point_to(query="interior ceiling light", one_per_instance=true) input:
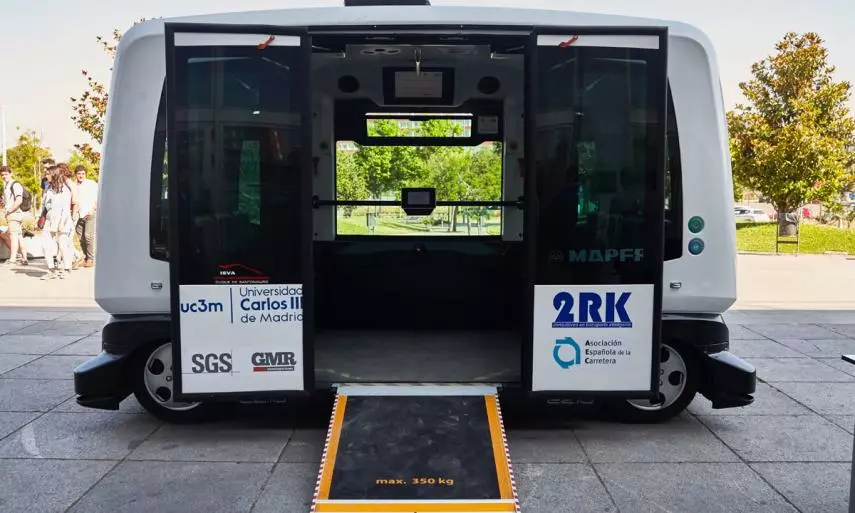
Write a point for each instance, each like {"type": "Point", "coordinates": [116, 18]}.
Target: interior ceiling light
{"type": "Point", "coordinates": [380, 50]}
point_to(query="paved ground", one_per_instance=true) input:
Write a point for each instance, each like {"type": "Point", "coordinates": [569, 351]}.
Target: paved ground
{"type": "Point", "coordinates": [790, 451]}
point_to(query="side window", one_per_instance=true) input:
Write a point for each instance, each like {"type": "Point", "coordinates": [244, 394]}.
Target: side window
{"type": "Point", "coordinates": [159, 202]}
{"type": "Point", "coordinates": [673, 188]}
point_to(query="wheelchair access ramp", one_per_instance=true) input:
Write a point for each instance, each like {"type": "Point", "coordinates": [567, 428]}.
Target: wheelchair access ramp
{"type": "Point", "coordinates": [415, 449]}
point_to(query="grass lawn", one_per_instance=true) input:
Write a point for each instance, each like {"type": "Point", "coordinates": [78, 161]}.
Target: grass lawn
{"type": "Point", "coordinates": [390, 226]}
{"type": "Point", "coordinates": [814, 239]}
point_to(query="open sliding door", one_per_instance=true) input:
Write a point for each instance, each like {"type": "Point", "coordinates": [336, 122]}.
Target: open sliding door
{"type": "Point", "coordinates": [239, 132]}
{"type": "Point", "coordinates": [594, 215]}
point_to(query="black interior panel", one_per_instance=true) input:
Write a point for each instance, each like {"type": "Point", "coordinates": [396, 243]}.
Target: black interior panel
{"type": "Point", "coordinates": [387, 284]}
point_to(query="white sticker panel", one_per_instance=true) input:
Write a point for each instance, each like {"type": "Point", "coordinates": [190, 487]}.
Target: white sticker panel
{"type": "Point", "coordinates": [241, 338]}
{"type": "Point", "coordinates": [603, 41]}
{"type": "Point", "coordinates": [592, 338]}
{"type": "Point", "coordinates": [215, 39]}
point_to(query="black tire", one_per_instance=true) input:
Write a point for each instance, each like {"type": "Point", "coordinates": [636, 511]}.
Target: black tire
{"type": "Point", "coordinates": [625, 411]}
{"type": "Point", "coordinates": [159, 405]}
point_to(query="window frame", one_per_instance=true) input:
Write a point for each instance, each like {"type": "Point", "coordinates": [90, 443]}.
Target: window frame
{"type": "Point", "coordinates": [673, 249]}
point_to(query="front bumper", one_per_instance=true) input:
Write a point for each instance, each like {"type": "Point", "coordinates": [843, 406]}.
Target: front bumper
{"type": "Point", "coordinates": [727, 380]}
{"type": "Point", "coordinates": [101, 382]}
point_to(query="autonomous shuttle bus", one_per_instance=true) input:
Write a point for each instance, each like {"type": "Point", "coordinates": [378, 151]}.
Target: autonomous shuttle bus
{"type": "Point", "coordinates": [388, 203]}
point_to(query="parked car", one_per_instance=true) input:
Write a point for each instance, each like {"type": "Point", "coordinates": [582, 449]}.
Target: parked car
{"type": "Point", "coordinates": [750, 215]}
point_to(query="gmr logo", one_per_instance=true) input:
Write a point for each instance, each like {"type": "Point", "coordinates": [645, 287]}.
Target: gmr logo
{"type": "Point", "coordinates": [591, 309]}
{"type": "Point", "coordinates": [575, 353]}
{"type": "Point", "coordinates": [268, 362]}
{"type": "Point", "coordinates": [201, 306]}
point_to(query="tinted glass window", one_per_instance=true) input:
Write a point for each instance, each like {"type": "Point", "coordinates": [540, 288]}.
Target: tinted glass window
{"type": "Point", "coordinates": [159, 210]}
{"type": "Point", "coordinates": [673, 188]}
{"type": "Point", "coordinates": [597, 145]}
{"type": "Point", "coordinates": [238, 161]}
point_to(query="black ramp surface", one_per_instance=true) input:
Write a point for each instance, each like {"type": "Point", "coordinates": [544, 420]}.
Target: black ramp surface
{"type": "Point", "coordinates": [415, 448]}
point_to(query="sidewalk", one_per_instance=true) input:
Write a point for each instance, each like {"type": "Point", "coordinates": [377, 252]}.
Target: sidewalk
{"type": "Point", "coordinates": [21, 286]}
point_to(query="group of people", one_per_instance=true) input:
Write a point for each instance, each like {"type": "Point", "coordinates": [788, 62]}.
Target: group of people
{"type": "Point", "coordinates": [68, 206]}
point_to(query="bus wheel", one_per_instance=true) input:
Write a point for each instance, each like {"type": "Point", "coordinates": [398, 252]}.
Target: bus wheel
{"type": "Point", "coordinates": [154, 386]}
{"type": "Point", "coordinates": [678, 384]}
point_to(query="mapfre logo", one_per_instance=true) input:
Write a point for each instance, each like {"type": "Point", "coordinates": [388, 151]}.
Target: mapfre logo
{"type": "Point", "coordinates": [273, 362]}
{"type": "Point", "coordinates": [592, 310]}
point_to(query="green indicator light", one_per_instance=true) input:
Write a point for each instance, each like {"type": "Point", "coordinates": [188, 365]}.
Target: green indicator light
{"type": "Point", "coordinates": [696, 224]}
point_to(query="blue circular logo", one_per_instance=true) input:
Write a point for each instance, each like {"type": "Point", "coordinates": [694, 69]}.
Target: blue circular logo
{"type": "Point", "coordinates": [696, 246]}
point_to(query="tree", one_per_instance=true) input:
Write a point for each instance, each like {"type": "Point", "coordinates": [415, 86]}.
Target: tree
{"type": "Point", "coordinates": [25, 159]}
{"type": "Point", "coordinates": [793, 142]}
{"type": "Point", "coordinates": [78, 158]}
{"type": "Point", "coordinates": [350, 181]}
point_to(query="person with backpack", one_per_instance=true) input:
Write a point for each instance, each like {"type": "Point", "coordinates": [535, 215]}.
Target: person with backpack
{"type": "Point", "coordinates": [57, 217]}
{"type": "Point", "coordinates": [17, 201]}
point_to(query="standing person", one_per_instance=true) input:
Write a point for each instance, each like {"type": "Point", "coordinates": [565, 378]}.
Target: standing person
{"type": "Point", "coordinates": [87, 196]}
{"type": "Point", "coordinates": [14, 210]}
{"type": "Point", "coordinates": [58, 214]}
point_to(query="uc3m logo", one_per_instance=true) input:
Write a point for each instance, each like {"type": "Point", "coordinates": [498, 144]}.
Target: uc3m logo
{"type": "Point", "coordinates": [592, 310]}
{"type": "Point", "coordinates": [202, 306]}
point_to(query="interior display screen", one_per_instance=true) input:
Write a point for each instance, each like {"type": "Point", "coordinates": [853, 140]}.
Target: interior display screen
{"type": "Point", "coordinates": [418, 198]}
{"type": "Point", "coordinates": [426, 84]}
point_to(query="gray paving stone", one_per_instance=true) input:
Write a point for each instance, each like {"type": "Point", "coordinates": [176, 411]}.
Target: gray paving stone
{"type": "Point", "coordinates": [823, 348]}
{"type": "Point", "coordinates": [48, 367]}
{"type": "Point", "coordinates": [92, 315]}
{"type": "Point", "coordinates": [89, 346]}
{"type": "Point", "coordinates": [772, 370]}
{"type": "Point", "coordinates": [689, 487]}
{"type": "Point", "coordinates": [13, 361]}
{"type": "Point", "coordinates": [62, 328]}
{"type": "Point", "coordinates": [34, 344]}
{"type": "Point", "coordinates": [176, 487]}
{"type": "Point", "coordinates": [740, 332]}
{"type": "Point", "coordinates": [13, 326]}
{"type": "Point", "coordinates": [846, 422]}
{"type": "Point", "coordinates": [11, 421]}
{"type": "Point", "coordinates": [783, 438]}
{"type": "Point", "coordinates": [762, 348]}
{"type": "Point", "coordinates": [129, 405]}
{"type": "Point", "coordinates": [305, 446]}
{"type": "Point", "coordinates": [545, 446]}
{"type": "Point", "coordinates": [290, 488]}
{"type": "Point", "coordinates": [810, 486]}
{"type": "Point", "coordinates": [843, 329]}
{"type": "Point", "coordinates": [33, 394]}
{"type": "Point", "coordinates": [212, 443]}
{"type": "Point", "coordinates": [681, 439]}
{"type": "Point", "coordinates": [793, 330]}
{"type": "Point", "coordinates": [32, 314]}
{"type": "Point", "coordinates": [46, 486]}
{"type": "Point", "coordinates": [94, 436]}
{"type": "Point", "coordinates": [568, 488]}
{"type": "Point", "coordinates": [767, 401]}
{"type": "Point", "coordinates": [839, 364]}
{"type": "Point", "coordinates": [824, 398]}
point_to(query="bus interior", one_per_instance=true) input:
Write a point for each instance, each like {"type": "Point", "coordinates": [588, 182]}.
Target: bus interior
{"type": "Point", "coordinates": [440, 295]}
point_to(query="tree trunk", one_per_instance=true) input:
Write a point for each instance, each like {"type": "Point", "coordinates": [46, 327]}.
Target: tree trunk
{"type": "Point", "coordinates": [787, 224]}
{"type": "Point", "coordinates": [454, 218]}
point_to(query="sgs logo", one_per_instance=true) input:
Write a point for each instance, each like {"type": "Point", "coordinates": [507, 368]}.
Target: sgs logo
{"type": "Point", "coordinates": [211, 363]}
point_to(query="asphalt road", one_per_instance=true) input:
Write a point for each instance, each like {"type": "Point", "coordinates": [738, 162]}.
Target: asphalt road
{"type": "Point", "coordinates": [790, 451]}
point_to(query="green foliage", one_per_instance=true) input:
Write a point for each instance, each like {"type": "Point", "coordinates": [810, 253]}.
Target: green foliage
{"type": "Point", "coordinates": [25, 160]}
{"type": "Point", "coordinates": [760, 237]}
{"type": "Point", "coordinates": [351, 184]}
{"type": "Point", "coordinates": [794, 140]}
{"type": "Point", "coordinates": [77, 158]}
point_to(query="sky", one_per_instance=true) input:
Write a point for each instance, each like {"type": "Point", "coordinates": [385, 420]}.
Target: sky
{"type": "Point", "coordinates": [46, 43]}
